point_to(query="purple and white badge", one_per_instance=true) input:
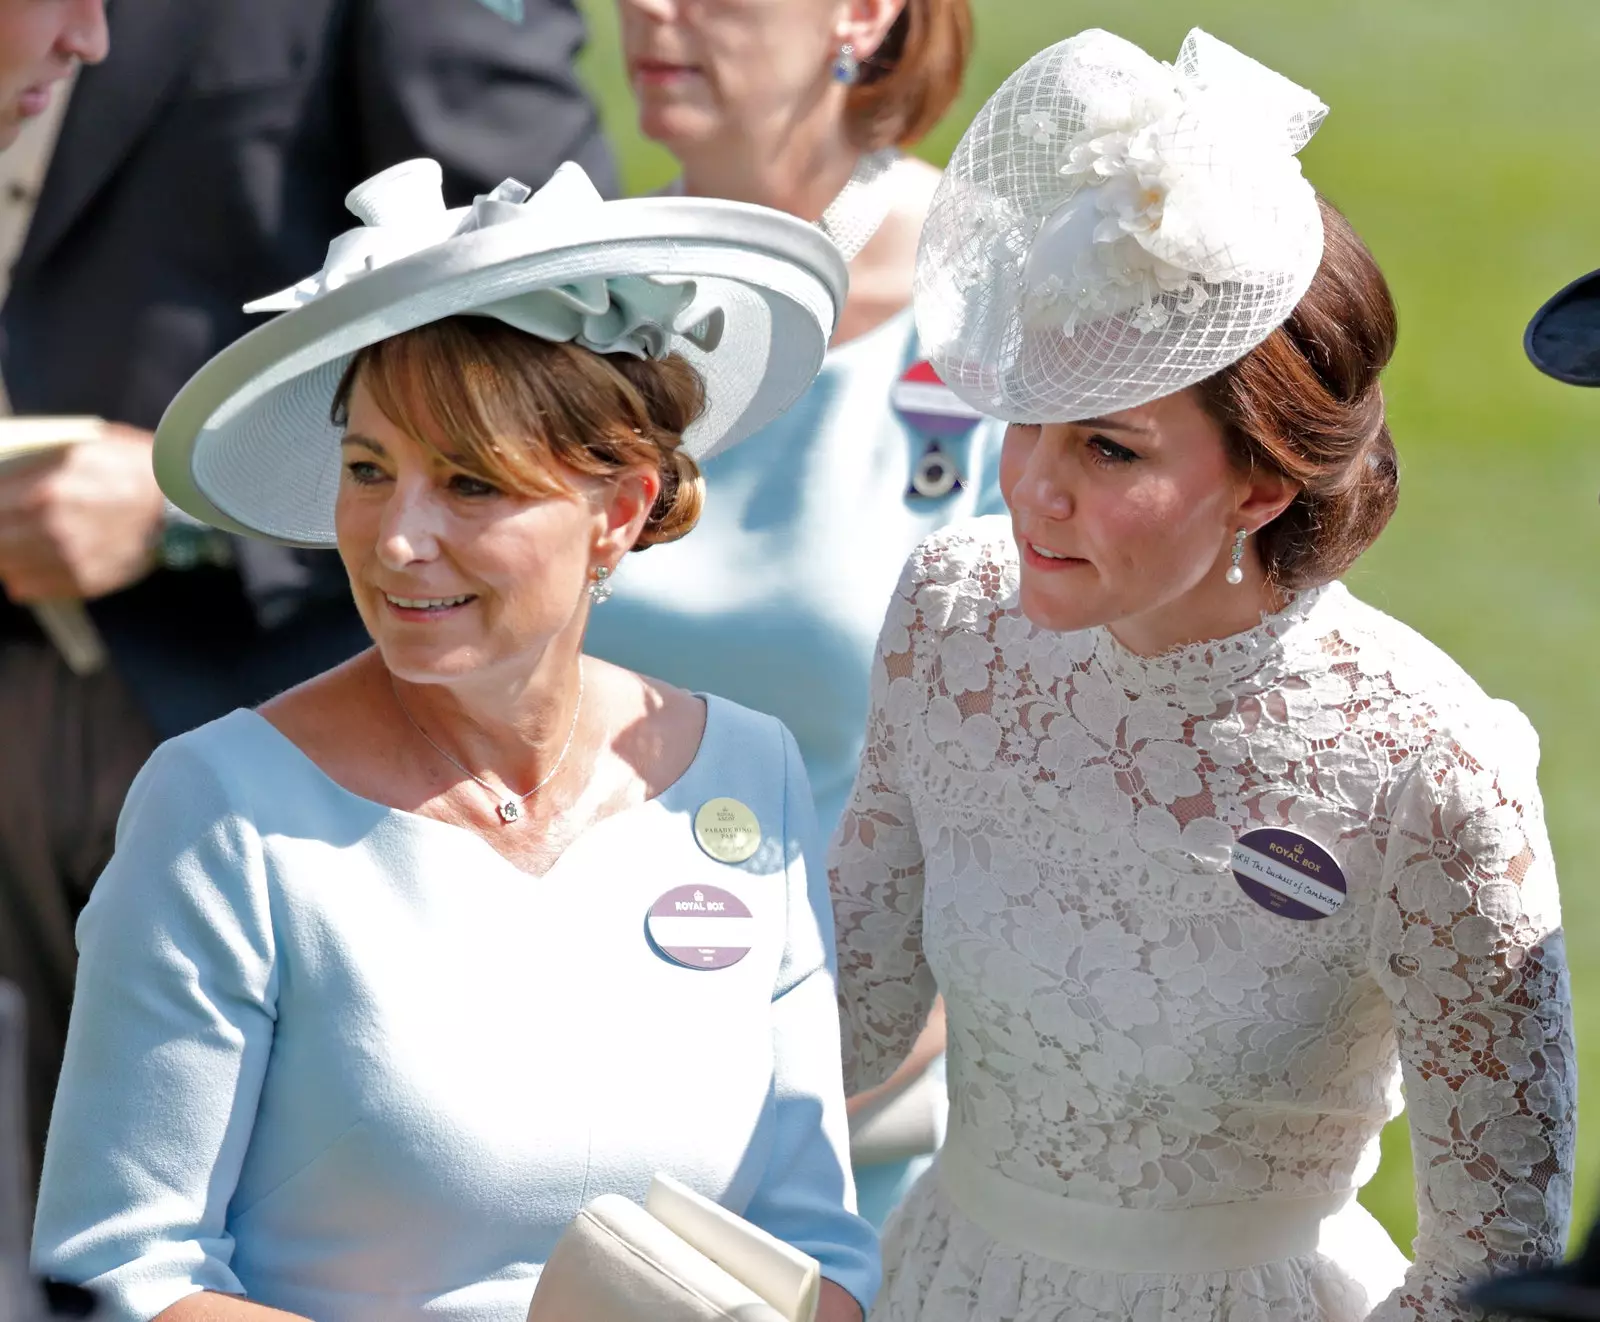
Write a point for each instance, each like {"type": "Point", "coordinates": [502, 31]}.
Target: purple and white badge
{"type": "Point", "coordinates": [701, 927]}
{"type": "Point", "coordinates": [1288, 874]}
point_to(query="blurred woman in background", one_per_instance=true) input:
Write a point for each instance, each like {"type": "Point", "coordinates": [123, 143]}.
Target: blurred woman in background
{"type": "Point", "coordinates": [806, 106]}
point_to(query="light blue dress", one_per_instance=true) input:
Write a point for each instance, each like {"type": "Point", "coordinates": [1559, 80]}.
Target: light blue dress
{"type": "Point", "coordinates": [777, 599]}
{"type": "Point", "coordinates": [351, 1062]}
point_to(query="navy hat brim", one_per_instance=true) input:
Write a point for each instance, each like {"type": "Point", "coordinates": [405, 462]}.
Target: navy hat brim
{"type": "Point", "coordinates": [1563, 339]}
{"type": "Point", "coordinates": [1559, 1294]}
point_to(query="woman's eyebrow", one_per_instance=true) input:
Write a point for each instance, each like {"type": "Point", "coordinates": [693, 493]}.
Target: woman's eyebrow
{"type": "Point", "coordinates": [1111, 424]}
{"type": "Point", "coordinates": [365, 442]}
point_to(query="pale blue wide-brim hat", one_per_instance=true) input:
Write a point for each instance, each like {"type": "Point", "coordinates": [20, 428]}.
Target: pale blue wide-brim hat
{"type": "Point", "coordinates": [748, 295]}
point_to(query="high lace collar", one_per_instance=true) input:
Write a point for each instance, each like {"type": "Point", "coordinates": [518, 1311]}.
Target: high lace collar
{"type": "Point", "coordinates": [1254, 659]}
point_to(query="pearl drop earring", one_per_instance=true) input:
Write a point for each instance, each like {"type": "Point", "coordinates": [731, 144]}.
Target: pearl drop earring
{"type": "Point", "coordinates": [1235, 574]}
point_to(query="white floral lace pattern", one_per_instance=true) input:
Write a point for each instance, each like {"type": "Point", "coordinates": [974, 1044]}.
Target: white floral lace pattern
{"type": "Point", "coordinates": [1042, 826]}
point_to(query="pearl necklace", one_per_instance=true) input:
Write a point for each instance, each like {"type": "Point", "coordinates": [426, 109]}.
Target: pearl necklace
{"type": "Point", "coordinates": [855, 214]}
{"type": "Point", "coordinates": [853, 217]}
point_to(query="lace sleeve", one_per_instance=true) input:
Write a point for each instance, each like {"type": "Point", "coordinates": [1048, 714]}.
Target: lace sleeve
{"type": "Point", "coordinates": [1467, 945]}
{"type": "Point", "coordinates": [875, 870]}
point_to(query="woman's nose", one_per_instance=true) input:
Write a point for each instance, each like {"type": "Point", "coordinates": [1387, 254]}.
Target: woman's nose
{"type": "Point", "coordinates": [409, 531]}
{"type": "Point", "coordinates": [660, 11]}
{"type": "Point", "coordinates": [1046, 484]}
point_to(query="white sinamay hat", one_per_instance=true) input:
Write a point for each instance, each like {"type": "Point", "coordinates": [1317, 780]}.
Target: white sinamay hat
{"type": "Point", "coordinates": [747, 295]}
{"type": "Point", "coordinates": [1112, 229]}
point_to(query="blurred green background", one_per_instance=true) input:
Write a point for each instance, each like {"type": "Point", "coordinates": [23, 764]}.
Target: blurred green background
{"type": "Point", "coordinates": [1464, 143]}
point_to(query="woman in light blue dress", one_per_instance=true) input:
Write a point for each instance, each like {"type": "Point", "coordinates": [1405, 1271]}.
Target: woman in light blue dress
{"type": "Point", "coordinates": [777, 600]}
{"type": "Point", "coordinates": [387, 979]}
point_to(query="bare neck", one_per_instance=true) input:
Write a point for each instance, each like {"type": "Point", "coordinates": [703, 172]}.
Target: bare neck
{"type": "Point", "coordinates": [799, 172]}
{"type": "Point", "coordinates": [517, 728]}
{"type": "Point", "coordinates": [1213, 610]}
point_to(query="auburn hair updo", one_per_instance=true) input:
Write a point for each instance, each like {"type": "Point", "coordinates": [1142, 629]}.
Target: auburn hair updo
{"type": "Point", "coordinates": [520, 412]}
{"type": "Point", "coordinates": [1306, 403]}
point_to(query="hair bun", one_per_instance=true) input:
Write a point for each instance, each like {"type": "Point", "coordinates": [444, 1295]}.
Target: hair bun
{"type": "Point", "coordinates": [1307, 403]}
{"type": "Point", "coordinates": [677, 508]}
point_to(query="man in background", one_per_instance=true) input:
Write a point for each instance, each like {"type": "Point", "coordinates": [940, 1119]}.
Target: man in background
{"type": "Point", "coordinates": [204, 165]}
{"type": "Point", "coordinates": [40, 46]}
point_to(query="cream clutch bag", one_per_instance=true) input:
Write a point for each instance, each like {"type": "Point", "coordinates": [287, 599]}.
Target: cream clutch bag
{"type": "Point", "coordinates": [679, 1258]}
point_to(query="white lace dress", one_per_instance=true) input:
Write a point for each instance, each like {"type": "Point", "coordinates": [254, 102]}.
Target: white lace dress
{"type": "Point", "coordinates": [1044, 825]}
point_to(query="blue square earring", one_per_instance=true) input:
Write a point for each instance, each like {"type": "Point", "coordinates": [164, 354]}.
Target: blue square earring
{"type": "Point", "coordinates": [846, 68]}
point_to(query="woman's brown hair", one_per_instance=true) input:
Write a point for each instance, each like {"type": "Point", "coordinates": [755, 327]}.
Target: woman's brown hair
{"type": "Point", "coordinates": [515, 411]}
{"type": "Point", "coordinates": [1307, 403]}
{"type": "Point", "coordinates": [908, 83]}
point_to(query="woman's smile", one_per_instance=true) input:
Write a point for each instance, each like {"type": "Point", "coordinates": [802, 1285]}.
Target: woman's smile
{"type": "Point", "coordinates": [427, 608]}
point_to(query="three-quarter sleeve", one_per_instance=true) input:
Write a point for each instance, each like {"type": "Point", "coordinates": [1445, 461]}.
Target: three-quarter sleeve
{"type": "Point", "coordinates": [1467, 944]}
{"type": "Point", "coordinates": [806, 1195]}
{"type": "Point", "coordinates": [171, 1028]}
{"type": "Point", "coordinates": [875, 871]}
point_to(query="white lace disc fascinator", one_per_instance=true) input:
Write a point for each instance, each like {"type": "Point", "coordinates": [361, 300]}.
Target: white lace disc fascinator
{"type": "Point", "coordinates": [1112, 229]}
{"type": "Point", "coordinates": [748, 295]}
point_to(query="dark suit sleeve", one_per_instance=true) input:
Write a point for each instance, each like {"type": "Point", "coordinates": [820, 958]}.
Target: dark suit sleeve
{"type": "Point", "coordinates": [486, 97]}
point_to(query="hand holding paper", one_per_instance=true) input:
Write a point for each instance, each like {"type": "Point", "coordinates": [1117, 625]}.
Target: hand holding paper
{"type": "Point", "coordinates": [79, 507]}
{"type": "Point", "coordinates": [79, 514]}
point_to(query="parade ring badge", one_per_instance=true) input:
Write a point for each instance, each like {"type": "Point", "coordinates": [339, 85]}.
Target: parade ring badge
{"type": "Point", "coordinates": [727, 830]}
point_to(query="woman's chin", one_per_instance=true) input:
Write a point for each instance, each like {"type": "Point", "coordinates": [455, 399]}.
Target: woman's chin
{"type": "Point", "coordinates": [414, 663]}
{"type": "Point", "coordinates": [678, 123]}
{"type": "Point", "coordinates": [1047, 610]}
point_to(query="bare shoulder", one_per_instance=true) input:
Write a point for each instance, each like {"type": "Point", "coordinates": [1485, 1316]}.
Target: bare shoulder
{"type": "Point", "coordinates": [917, 181]}
{"type": "Point", "coordinates": [881, 274]}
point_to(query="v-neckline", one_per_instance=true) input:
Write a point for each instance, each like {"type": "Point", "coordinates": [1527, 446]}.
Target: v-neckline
{"type": "Point", "coordinates": [656, 802]}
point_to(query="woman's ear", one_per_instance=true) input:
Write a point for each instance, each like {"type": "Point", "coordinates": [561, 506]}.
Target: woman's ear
{"type": "Point", "coordinates": [865, 24]}
{"type": "Point", "coordinates": [622, 505]}
{"type": "Point", "coordinates": [1262, 497]}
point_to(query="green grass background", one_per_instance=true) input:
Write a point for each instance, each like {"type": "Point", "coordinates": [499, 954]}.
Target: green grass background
{"type": "Point", "coordinates": [1464, 143]}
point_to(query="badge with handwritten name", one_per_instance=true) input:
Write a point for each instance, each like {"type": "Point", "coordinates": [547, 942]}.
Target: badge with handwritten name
{"type": "Point", "coordinates": [1288, 874]}
{"type": "Point", "coordinates": [701, 927]}
{"type": "Point", "coordinates": [727, 830]}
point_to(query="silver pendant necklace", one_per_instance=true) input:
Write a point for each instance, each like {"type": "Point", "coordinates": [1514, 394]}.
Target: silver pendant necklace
{"type": "Point", "coordinates": [509, 804]}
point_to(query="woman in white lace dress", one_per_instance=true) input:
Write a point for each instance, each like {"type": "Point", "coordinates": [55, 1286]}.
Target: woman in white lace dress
{"type": "Point", "coordinates": [1207, 857]}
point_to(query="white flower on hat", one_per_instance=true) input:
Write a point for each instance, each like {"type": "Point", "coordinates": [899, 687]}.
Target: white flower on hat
{"type": "Point", "coordinates": [1165, 184]}
{"type": "Point", "coordinates": [1036, 126]}
{"type": "Point", "coordinates": [1162, 206]}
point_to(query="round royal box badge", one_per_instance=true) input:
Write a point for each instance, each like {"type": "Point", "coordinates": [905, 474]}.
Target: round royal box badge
{"type": "Point", "coordinates": [1288, 874]}
{"type": "Point", "coordinates": [701, 927]}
